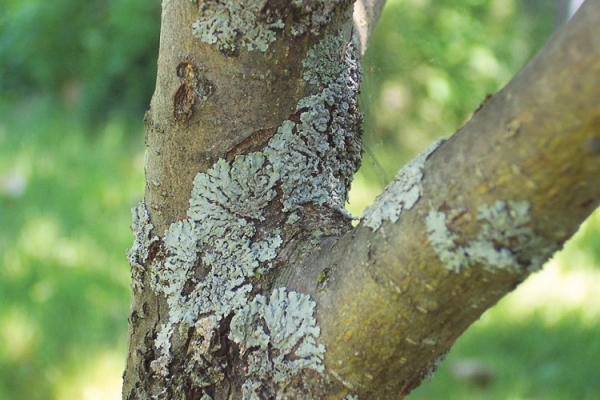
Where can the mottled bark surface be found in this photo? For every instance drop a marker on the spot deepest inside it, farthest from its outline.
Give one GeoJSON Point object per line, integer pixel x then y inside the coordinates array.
{"type": "Point", "coordinates": [248, 278]}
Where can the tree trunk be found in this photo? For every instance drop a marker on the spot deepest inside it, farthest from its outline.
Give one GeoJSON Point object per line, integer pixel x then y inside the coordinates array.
{"type": "Point", "coordinates": [248, 278]}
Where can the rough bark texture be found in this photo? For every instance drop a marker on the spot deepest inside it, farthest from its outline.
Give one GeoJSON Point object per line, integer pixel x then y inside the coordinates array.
{"type": "Point", "coordinates": [248, 279]}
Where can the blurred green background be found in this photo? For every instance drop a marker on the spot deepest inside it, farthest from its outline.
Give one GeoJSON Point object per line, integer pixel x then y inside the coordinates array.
{"type": "Point", "coordinates": [75, 79]}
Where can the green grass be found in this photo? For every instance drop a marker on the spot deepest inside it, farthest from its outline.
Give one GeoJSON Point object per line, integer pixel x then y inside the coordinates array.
{"type": "Point", "coordinates": [64, 287]}
{"type": "Point", "coordinates": [529, 360]}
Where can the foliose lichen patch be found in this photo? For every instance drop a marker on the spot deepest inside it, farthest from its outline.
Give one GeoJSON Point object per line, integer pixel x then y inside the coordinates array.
{"type": "Point", "coordinates": [401, 194]}
{"type": "Point", "coordinates": [219, 234]}
{"type": "Point", "coordinates": [207, 260]}
{"type": "Point", "coordinates": [503, 238]}
{"type": "Point", "coordinates": [317, 156]}
{"type": "Point", "coordinates": [280, 335]}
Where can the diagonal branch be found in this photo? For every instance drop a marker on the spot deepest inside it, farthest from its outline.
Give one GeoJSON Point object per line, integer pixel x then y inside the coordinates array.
{"type": "Point", "coordinates": [463, 227]}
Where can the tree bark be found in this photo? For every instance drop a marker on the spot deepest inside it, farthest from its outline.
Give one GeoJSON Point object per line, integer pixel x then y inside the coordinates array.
{"type": "Point", "coordinates": [248, 278]}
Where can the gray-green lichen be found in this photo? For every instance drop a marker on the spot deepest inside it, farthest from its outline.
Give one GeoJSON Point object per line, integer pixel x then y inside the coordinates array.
{"type": "Point", "coordinates": [317, 156]}
{"type": "Point", "coordinates": [322, 62]}
{"type": "Point", "coordinates": [503, 240]}
{"type": "Point", "coordinates": [231, 24]}
{"type": "Point", "coordinates": [313, 14]}
{"type": "Point", "coordinates": [209, 258]}
{"type": "Point", "coordinates": [401, 194]}
{"type": "Point", "coordinates": [220, 234]}
{"type": "Point", "coordinates": [254, 24]}
{"type": "Point", "coordinates": [279, 336]}
{"type": "Point", "coordinates": [142, 240]}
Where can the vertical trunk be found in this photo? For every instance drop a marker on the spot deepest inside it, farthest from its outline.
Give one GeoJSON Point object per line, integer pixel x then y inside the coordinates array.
{"type": "Point", "coordinates": [252, 140]}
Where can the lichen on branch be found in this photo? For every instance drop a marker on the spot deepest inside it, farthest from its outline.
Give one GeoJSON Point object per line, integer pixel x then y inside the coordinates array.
{"type": "Point", "coordinates": [401, 194]}
{"type": "Point", "coordinates": [231, 24]}
{"type": "Point", "coordinates": [504, 237]}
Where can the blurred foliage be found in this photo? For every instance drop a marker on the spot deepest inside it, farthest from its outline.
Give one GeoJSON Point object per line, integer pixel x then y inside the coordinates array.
{"type": "Point", "coordinates": [98, 56]}
{"type": "Point", "coordinates": [64, 215]}
{"type": "Point", "coordinates": [65, 195]}
{"type": "Point", "coordinates": [526, 359]}
{"type": "Point", "coordinates": [430, 65]}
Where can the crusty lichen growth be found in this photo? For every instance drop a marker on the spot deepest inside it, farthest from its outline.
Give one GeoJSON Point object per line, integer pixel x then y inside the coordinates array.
{"type": "Point", "coordinates": [279, 336]}
{"type": "Point", "coordinates": [322, 62]}
{"type": "Point", "coordinates": [503, 240]}
{"type": "Point", "coordinates": [207, 261]}
{"type": "Point", "coordinates": [401, 194]}
{"type": "Point", "coordinates": [313, 15]}
{"type": "Point", "coordinates": [231, 24]}
{"type": "Point", "coordinates": [142, 240]}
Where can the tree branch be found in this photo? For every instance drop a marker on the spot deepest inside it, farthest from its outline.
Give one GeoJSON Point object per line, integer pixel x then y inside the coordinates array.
{"type": "Point", "coordinates": [252, 138]}
{"type": "Point", "coordinates": [366, 15]}
{"type": "Point", "coordinates": [454, 234]}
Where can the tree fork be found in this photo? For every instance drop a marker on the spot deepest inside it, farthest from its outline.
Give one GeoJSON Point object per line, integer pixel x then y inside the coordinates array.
{"type": "Point", "coordinates": [393, 308]}
{"type": "Point", "coordinates": [460, 227]}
